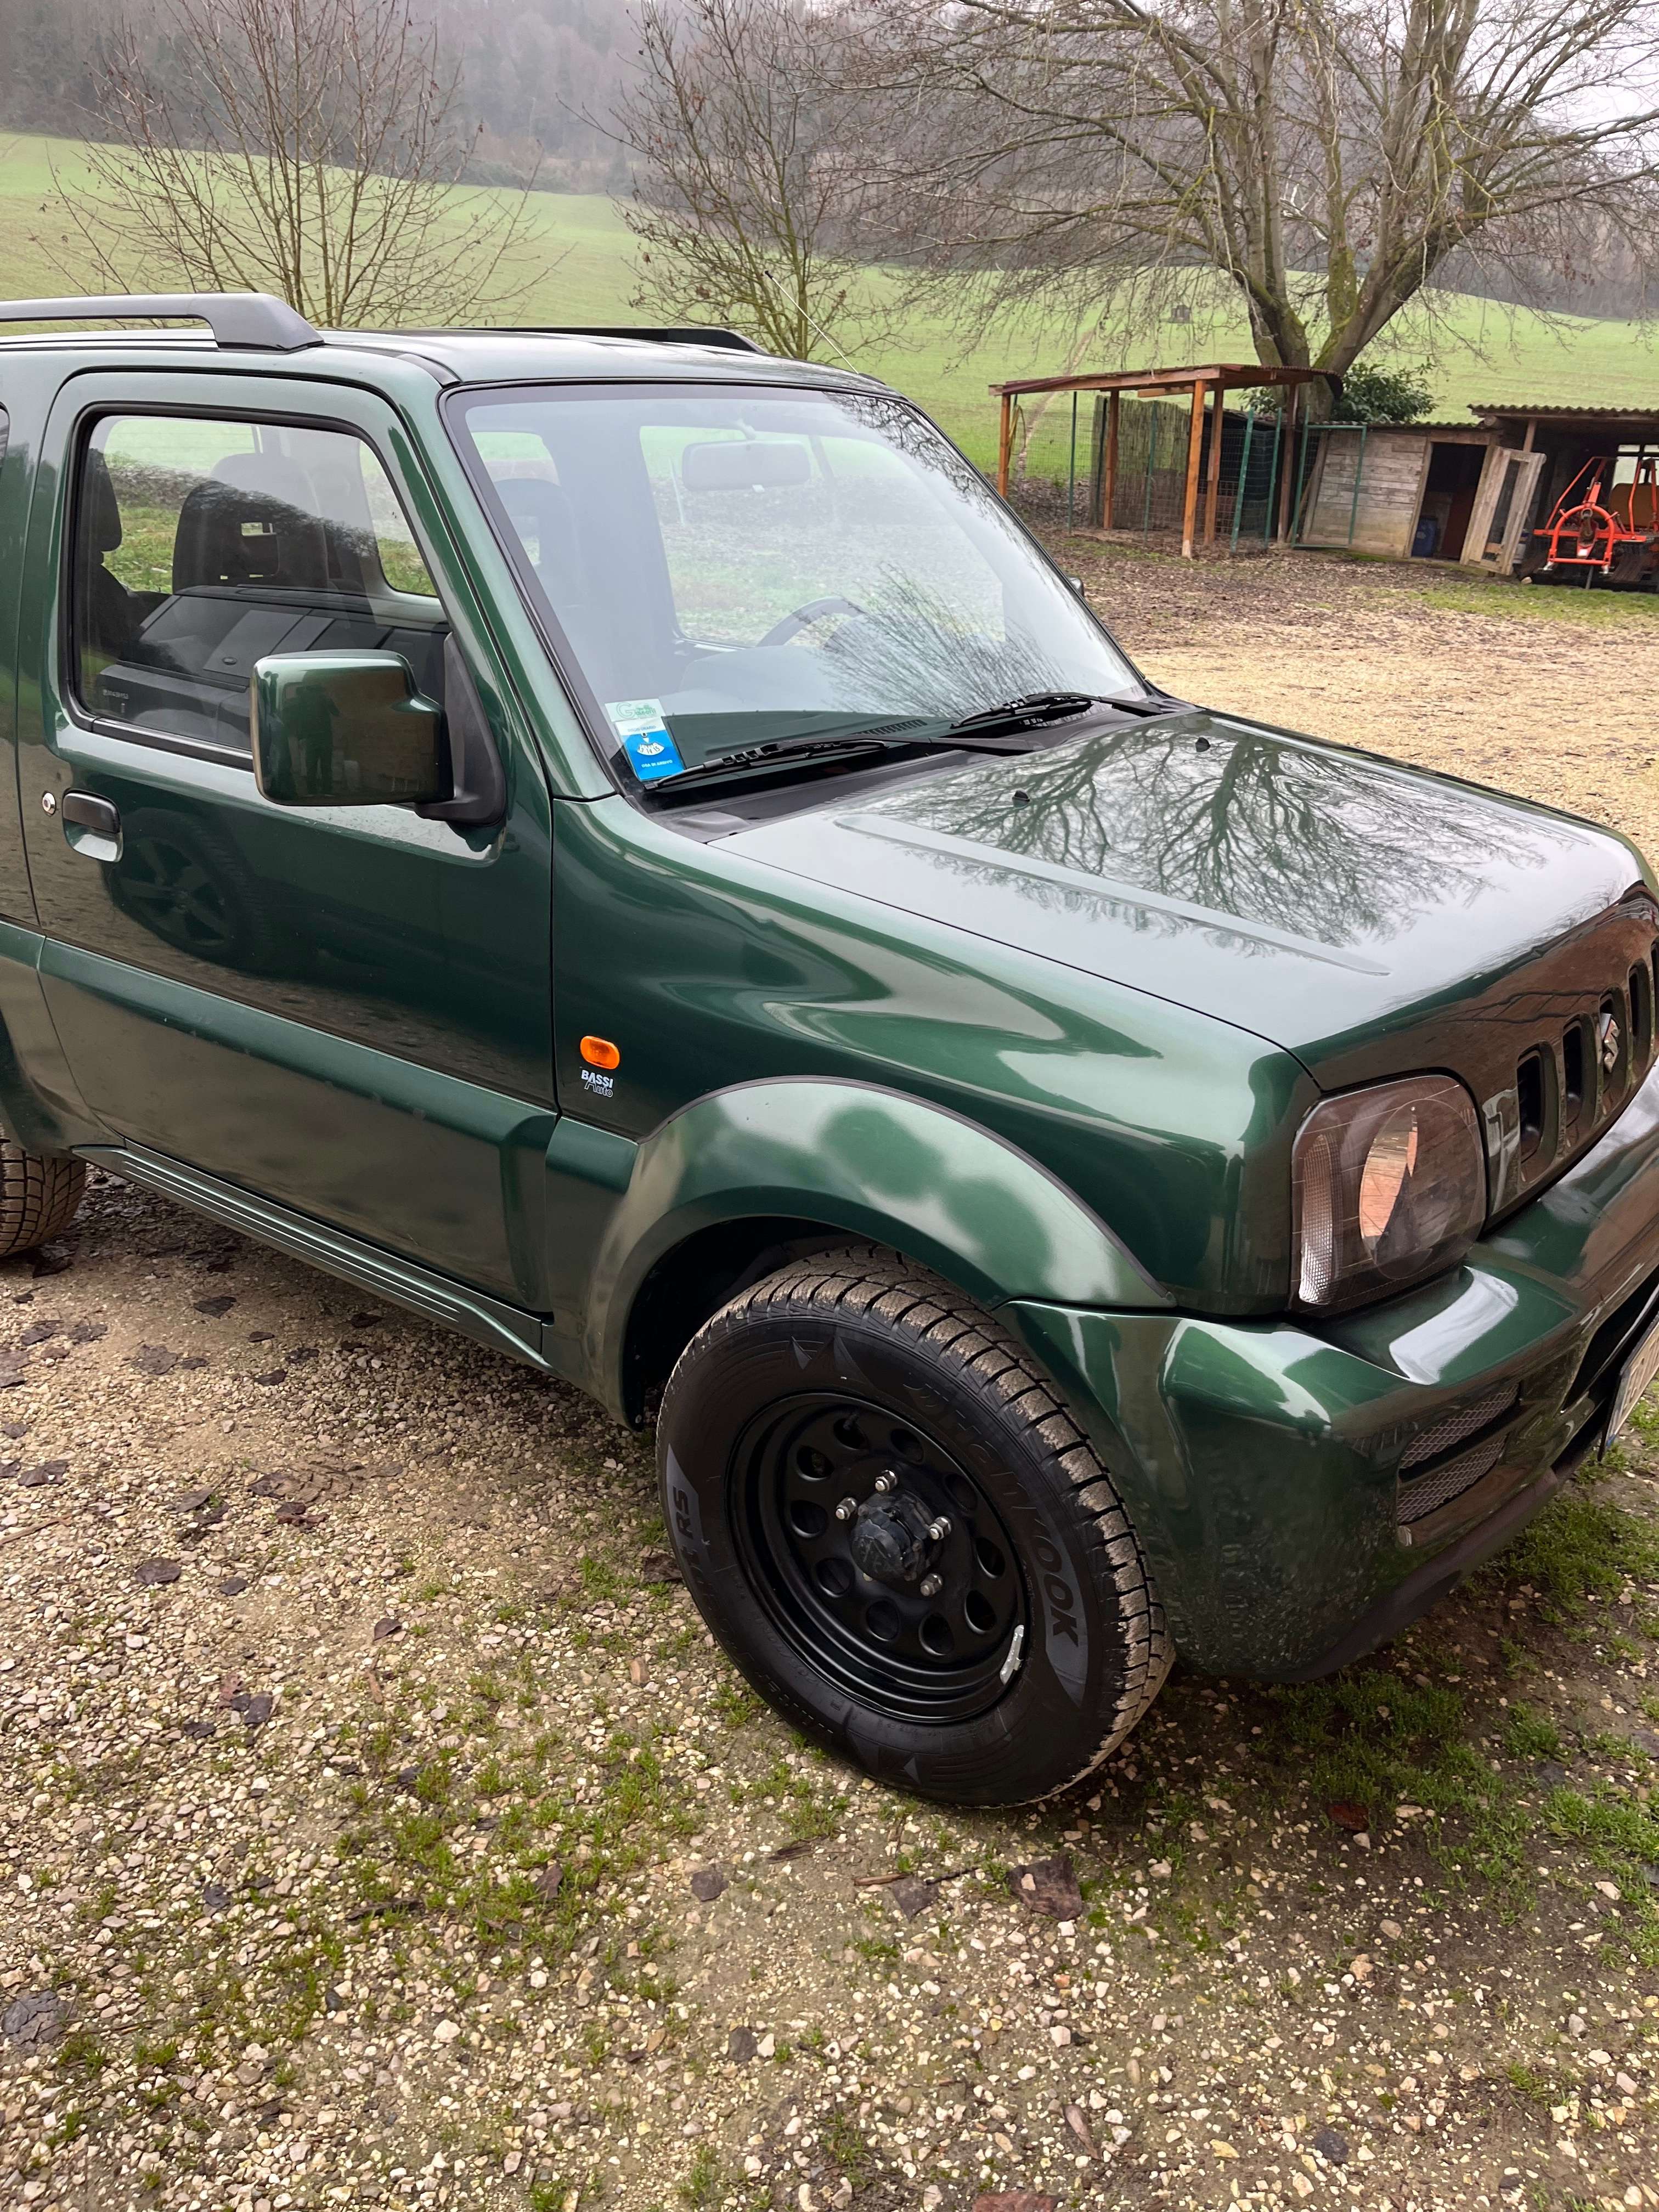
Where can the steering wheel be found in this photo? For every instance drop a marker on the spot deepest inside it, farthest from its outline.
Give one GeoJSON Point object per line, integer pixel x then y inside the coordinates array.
{"type": "Point", "coordinates": [805, 616]}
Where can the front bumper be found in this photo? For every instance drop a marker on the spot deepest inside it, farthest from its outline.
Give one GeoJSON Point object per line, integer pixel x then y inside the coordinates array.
{"type": "Point", "coordinates": [1302, 1495]}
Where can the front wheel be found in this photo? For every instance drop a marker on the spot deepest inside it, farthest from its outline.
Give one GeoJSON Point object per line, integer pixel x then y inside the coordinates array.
{"type": "Point", "coordinates": [900, 1536]}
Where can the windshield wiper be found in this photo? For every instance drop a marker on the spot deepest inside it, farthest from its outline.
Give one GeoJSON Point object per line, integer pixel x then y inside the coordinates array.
{"type": "Point", "coordinates": [1028, 712]}
{"type": "Point", "coordinates": [976, 732]}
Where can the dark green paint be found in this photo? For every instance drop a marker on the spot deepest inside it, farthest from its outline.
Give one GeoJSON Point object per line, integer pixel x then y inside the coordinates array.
{"type": "Point", "coordinates": [1048, 1025]}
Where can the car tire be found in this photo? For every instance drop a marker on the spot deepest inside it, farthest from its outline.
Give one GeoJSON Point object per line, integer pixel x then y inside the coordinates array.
{"type": "Point", "coordinates": [38, 1197]}
{"type": "Point", "coordinates": [897, 1532]}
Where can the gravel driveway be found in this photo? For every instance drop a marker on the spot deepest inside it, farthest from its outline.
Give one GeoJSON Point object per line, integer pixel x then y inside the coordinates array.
{"type": "Point", "coordinates": [380, 1827]}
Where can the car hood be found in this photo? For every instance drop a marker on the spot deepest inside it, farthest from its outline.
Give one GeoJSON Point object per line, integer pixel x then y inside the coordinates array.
{"type": "Point", "coordinates": [1368, 917]}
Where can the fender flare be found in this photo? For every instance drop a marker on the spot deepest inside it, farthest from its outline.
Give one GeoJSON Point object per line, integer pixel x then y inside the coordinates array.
{"type": "Point", "coordinates": [880, 1164]}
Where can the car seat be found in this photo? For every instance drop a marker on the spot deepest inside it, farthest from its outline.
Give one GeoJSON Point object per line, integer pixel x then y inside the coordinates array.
{"type": "Point", "coordinates": [110, 615]}
{"type": "Point", "coordinates": [253, 524]}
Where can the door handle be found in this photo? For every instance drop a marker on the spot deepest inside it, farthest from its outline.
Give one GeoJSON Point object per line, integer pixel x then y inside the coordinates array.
{"type": "Point", "coordinates": [91, 825]}
{"type": "Point", "coordinates": [82, 808]}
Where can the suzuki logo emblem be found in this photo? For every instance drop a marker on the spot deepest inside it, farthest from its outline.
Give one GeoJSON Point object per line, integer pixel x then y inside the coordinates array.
{"type": "Point", "coordinates": [1608, 1039]}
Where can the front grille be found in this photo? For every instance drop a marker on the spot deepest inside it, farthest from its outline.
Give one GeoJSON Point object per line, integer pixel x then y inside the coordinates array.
{"type": "Point", "coordinates": [1426, 1493]}
{"type": "Point", "coordinates": [1573, 1081]}
{"type": "Point", "coordinates": [1455, 1426]}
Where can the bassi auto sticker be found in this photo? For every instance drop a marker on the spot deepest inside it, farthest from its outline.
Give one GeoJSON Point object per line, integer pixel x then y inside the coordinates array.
{"type": "Point", "coordinates": [640, 723]}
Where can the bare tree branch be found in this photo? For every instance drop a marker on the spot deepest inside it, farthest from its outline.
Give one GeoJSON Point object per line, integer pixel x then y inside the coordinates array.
{"type": "Point", "coordinates": [1330, 158]}
{"type": "Point", "coordinates": [310, 147]}
{"type": "Point", "coordinates": [749, 178]}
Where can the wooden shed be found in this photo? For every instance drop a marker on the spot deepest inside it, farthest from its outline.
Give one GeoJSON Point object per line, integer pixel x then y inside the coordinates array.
{"type": "Point", "coordinates": [1392, 489]}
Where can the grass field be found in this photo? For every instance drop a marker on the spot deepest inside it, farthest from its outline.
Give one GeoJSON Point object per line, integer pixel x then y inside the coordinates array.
{"type": "Point", "coordinates": [1481, 352]}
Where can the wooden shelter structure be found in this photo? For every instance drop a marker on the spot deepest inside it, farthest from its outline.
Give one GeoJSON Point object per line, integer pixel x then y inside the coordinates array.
{"type": "Point", "coordinates": [1208, 384]}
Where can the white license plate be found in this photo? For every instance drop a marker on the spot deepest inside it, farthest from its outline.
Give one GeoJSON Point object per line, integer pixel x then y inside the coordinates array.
{"type": "Point", "coordinates": [1639, 1370]}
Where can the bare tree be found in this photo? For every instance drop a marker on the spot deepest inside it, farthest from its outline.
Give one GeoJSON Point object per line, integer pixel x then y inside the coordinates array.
{"type": "Point", "coordinates": [748, 175]}
{"type": "Point", "coordinates": [1329, 158]}
{"type": "Point", "coordinates": [307, 146]}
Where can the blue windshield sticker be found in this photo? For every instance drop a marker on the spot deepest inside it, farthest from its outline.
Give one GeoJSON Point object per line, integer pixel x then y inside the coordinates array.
{"type": "Point", "coordinates": [652, 752]}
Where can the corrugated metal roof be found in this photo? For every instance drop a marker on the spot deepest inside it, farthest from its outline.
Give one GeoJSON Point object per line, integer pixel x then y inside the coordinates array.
{"type": "Point", "coordinates": [1546, 410]}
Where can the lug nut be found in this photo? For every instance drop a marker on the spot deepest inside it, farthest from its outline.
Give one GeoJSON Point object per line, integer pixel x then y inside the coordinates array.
{"type": "Point", "coordinates": [940, 1530]}
{"type": "Point", "coordinates": [886, 1482]}
{"type": "Point", "coordinates": [930, 1585]}
{"type": "Point", "coordinates": [846, 1509]}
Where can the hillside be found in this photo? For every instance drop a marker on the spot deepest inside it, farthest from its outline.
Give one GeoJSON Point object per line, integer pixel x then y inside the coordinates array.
{"type": "Point", "coordinates": [1483, 351]}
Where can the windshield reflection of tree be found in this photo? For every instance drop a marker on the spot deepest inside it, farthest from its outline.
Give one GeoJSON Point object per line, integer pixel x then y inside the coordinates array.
{"type": "Point", "coordinates": [909, 652]}
{"type": "Point", "coordinates": [1318, 843]}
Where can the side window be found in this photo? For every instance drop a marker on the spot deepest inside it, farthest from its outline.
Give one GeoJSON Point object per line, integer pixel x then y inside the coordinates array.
{"type": "Point", "coordinates": [5, 432]}
{"type": "Point", "coordinates": [200, 546]}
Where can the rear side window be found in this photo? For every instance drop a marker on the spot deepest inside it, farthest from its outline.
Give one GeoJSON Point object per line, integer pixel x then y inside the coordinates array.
{"type": "Point", "coordinates": [200, 546]}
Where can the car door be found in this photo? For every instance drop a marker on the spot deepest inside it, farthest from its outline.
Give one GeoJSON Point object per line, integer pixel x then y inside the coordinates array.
{"type": "Point", "coordinates": [343, 1009]}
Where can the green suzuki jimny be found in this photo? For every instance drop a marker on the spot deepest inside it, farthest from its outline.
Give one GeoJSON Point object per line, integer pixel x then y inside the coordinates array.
{"type": "Point", "coordinates": [624, 845]}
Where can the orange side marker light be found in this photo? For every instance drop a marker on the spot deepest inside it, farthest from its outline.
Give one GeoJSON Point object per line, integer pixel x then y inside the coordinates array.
{"type": "Point", "coordinates": [600, 1052]}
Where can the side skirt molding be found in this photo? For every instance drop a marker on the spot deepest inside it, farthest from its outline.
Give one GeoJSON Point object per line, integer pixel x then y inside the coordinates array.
{"type": "Point", "coordinates": [504, 1328]}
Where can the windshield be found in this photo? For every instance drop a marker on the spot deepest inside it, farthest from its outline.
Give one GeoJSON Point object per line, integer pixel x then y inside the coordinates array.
{"type": "Point", "coordinates": [730, 566]}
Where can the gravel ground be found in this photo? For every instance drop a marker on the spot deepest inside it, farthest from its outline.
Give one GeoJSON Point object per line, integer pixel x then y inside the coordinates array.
{"type": "Point", "coordinates": [380, 1826]}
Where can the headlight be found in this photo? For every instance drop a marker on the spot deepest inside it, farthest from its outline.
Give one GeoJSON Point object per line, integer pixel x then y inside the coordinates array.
{"type": "Point", "coordinates": [1387, 1185]}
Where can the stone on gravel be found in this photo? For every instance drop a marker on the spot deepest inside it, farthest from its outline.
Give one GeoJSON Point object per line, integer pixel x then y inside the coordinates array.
{"type": "Point", "coordinates": [741, 2045]}
{"type": "Point", "coordinates": [1013, 2200]}
{"type": "Point", "coordinates": [154, 1359]}
{"type": "Point", "coordinates": [706, 1884]}
{"type": "Point", "coordinates": [37, 2017]}
{"type": "Point", "coordinates": [1048, 1885]}
{"type": "Point", "coordinates": [214, 1307]}
{"type": "Point", "coordinates": [912, 1895]}
{"type": "Point", "coordinates": [151, 1574]}
{"type": "Point", "coordinates": [1330, 2145]}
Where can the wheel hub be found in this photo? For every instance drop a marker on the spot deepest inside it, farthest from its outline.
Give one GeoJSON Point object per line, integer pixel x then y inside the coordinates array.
{"type": "Point", "coordinates": [890, 1539]}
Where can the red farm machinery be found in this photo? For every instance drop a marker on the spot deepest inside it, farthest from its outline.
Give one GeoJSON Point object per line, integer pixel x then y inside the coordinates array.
{"type": "Point", "coordinates": [1600, 531]}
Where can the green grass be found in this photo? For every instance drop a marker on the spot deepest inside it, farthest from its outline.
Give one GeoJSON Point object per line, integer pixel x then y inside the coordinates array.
{"type": "Point", "coordinates": [1547, 603]}
{"type": "Point", "coordinates": [579, 250]}
{"type": "Point", "coordinates": [1581, 1547]}
{"type": "Point", "coordinates": [1370, 1738]}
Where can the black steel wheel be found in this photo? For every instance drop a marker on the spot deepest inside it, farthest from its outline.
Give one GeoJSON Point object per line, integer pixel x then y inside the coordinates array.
{"type": "Point", "coordinates": [900, 1536]}
{"type": "Point", "coordinates": [878, 1556]}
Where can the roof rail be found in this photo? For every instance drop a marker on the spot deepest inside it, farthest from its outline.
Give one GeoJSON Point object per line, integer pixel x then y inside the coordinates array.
{"type": "Point", "coordinates": [691, 334]}
{"type": "Point", "coordinates": [256, 319]}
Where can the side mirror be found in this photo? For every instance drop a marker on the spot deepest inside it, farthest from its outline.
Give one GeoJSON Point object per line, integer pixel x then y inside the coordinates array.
{"type": "Point", "coordinates": [345, 729]}
{"type": "Point", "coordinates": [1079, 586]}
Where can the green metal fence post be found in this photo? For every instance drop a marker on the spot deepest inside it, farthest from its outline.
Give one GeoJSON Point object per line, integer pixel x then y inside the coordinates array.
{"type": "Point", "coordinates": [1152, 451]}
{"type": "Point", "coordinates": [1301, 485]}
{"type": "Point", "coordinates": [1358, 470]}
{"type": "Point", "coordinates": [1273, 482]}
{"type": "Point", "coordinates": [1244, 477]}
{"type": "Point", "coordinates": [1071, 471]}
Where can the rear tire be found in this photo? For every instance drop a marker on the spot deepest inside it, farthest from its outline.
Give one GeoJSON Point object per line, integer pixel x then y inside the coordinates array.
{"type": "Point", "coordinates": [977, 1624]}
{"type": "Point", "coordinates": [38, 1197]}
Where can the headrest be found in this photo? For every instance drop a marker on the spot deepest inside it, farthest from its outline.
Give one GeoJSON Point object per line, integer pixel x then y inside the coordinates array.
{"type": "Point", "coordinates": [100, 510]}
{"type": "Point", "coordinates": [254, 521]}
{"type": "Point", "coordinates": [545, 524]}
